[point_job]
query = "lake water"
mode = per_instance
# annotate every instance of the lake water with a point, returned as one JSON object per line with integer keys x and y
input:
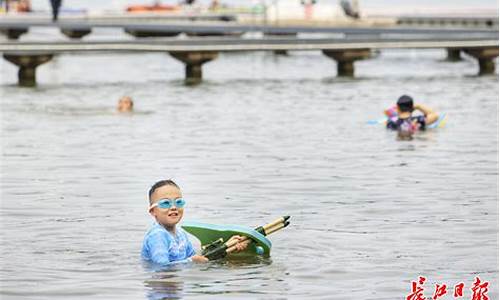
{"x": 263, "y": 136}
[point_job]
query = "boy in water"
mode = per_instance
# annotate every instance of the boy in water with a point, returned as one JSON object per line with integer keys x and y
{"x": 403, "y": 121}
{"x": 164, "y": 243}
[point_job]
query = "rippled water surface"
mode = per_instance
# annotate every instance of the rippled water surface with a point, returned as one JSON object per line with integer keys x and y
{"x": 262, "y": 137}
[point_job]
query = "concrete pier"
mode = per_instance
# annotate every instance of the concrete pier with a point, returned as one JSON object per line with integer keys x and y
{"x": 194, "y": 62}
{"x": 194, "y": 52}
{"x": 13, "y": 33}
{"x": 485, "y": 57}
{"x": 219, "y": 34}
{"x": 345, "y": 59}
{"x": 281, "y": 35}
{"x": 203, "y": 28}
{"x": 27, "y": 64}
{"x": 76, "y": 33}
{"x": 138, "y": 33}
{"x": 453, "y": 55}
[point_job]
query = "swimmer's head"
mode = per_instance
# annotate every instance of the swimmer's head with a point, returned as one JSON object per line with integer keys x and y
{"x": 125, "y": 104}
{"x": 166, "y": 204}
{"x": 405, "y": 104}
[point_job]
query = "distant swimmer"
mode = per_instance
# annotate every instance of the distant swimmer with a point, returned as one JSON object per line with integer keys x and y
{"x": 125, "y": 104}
{"x": 400, "y": 117}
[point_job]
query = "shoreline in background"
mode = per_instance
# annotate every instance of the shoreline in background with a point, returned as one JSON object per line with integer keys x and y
{"x": 384, "y": 8}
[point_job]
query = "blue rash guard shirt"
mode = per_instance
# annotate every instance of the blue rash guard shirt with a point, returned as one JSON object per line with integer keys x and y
{"x": 163, "y": 248}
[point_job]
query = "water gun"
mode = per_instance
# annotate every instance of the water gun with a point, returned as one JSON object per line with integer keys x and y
{"x": 219, "y": 249}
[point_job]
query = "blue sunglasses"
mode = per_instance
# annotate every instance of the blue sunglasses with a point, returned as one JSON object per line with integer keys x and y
{"x": 169, "y": 203}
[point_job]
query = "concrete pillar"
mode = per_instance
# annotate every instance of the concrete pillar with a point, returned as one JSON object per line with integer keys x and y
{"x": 142, "y": 33}
{"x": 27, "y": 66}
{"x": 453, "y": 55}
{"x": 76, "y": 33}
{"x": 485, "y": 58}
{"x": 281, "y": 35}
{"x": 203, "y": 34}
{"x": 281, "y": 52}
{"x": 14, "y": 33}
{"x": 193, "y": 62}
{"x": 345, "y": 59}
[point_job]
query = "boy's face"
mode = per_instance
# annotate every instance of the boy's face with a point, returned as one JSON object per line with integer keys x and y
{"x": 167, "y": 217}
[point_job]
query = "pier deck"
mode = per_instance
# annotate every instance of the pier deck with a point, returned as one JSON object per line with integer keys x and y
{"x": 234, "y": 27}
{"x": 229, "y": 44}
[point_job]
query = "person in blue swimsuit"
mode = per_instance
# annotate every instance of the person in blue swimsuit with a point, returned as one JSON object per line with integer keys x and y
{"x": 404, "y": 122}
{"x": 165, "y": 243}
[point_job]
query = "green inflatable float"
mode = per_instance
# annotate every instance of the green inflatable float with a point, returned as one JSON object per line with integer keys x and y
{"x": 215, "y": 238}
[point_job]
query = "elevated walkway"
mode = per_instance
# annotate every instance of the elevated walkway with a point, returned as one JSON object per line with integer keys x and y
{"x": 343, "y": 44}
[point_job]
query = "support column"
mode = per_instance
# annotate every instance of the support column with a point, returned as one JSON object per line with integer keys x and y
{"x": 76, "y": 33}
{"x": 145, "y": 33}
{"x": 27, "y": 66}
{"x": 345, "y": 59}
{"x": 281, "y": 35}
{"x": 485, "y": 58}
{"x": 194, "y": 62}
{"x": 203, "y": 34}
{"x": 14, "y": 33}
{"x": 453, "y": 55}
{"x": 281, "y": 52}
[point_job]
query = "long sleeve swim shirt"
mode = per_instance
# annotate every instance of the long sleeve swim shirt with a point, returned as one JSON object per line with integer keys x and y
{"x": 162, "y": 247}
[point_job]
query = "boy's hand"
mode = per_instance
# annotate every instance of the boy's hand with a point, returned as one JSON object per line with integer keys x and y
{"x": 199, "y": 259}
{"x": 240, "y": 246}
